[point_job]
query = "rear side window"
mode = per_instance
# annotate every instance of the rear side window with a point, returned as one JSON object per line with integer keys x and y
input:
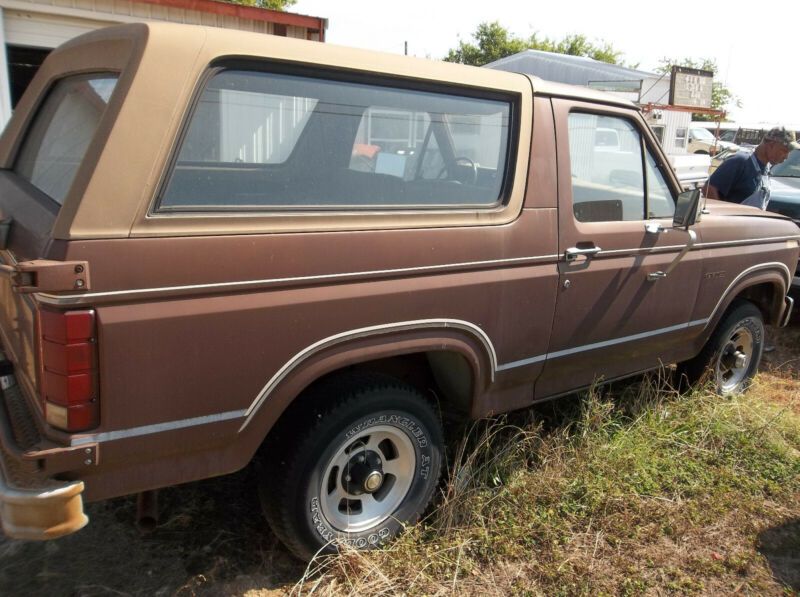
{"x": 270, "y": 141}
{"x": 59, "y": 137}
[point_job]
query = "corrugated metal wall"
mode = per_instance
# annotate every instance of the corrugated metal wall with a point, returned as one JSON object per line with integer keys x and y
{"x": 48, "y": 23}
{"x": 676, "y": 128}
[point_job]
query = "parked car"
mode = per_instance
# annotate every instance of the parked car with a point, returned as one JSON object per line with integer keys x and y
{"x": 222, "y": 247}
{"x": 746, "y": 135}
{"x": 692, "y": 170}
{"x": 784, "y": 197}
{"x": 701, "y": 140}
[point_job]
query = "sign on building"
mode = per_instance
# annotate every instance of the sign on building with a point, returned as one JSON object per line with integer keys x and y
{"x": 690, "y": 87}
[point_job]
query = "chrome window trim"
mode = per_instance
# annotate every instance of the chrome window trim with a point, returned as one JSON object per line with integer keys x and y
{"x": 243, "y": 66}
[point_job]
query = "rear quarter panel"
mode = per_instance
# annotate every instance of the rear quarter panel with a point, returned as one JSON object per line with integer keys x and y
{"x": 197, "y": 313}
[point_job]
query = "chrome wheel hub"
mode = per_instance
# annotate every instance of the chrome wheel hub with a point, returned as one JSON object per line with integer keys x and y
{"x": 373, "y": 482}
{"x": 734, "y": 359}
{"x": 363, "y": 473}
{"x": 367, "y": 479}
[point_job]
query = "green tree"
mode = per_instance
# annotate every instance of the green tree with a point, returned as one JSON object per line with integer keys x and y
{"x": 271, "y": 4}
{"x": 721, "y": 96}
{"x": 492, "y": 41}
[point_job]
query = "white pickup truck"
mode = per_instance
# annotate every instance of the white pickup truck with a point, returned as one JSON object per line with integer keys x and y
{"x": 692, "y": 169}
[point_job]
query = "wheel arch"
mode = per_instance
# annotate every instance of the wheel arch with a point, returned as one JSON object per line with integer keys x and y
{"x": 447, "y": 348}
{"x": 765, "y": 285}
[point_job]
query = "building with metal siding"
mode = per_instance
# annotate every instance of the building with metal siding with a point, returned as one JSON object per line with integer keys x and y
{"x": 30, "y": 29}
{"x": 641, "y": 87}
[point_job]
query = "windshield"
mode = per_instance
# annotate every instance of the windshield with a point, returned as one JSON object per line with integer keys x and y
{"x": 790, "y": 168}
{"x": 702, "y": 134}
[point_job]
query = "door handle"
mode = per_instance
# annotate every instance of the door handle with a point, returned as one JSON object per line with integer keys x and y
{"x": 655, "y": 228}
{"x": 660, "y": 275}
{"x": 573, "y": 253}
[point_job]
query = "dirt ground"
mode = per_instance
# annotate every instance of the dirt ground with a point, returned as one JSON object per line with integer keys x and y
{"x": 210, "y": 532}
{"x": 213, "y": 540}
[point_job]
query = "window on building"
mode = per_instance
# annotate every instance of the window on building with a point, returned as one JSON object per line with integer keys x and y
{"x": 23, "y": 63}
{"x": 658, "y": 131}
{"x": 680, "y": 137}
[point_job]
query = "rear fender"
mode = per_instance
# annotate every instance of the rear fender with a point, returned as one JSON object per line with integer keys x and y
{"x": 361, "y": 346}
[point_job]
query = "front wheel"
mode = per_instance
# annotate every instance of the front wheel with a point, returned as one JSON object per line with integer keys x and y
{"x": 367, "y": 464}
{"x": 732, "y": 353}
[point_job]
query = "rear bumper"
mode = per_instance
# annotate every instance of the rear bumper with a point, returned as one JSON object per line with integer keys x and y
{"x": 39, "y": 514}
{"x": 33, "y": 504}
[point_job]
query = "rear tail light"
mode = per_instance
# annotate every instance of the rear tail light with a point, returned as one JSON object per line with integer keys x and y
{"x": 69, "y": 380}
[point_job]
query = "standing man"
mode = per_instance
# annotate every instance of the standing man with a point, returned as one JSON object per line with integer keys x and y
{"x": 742, "y": 177}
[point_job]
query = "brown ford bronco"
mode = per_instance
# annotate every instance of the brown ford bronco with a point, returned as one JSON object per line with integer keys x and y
{"x": 219, "y": 247}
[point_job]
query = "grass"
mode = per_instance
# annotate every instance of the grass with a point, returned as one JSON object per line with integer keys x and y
{"x": 622, "y": 491}
{"x": 630, "y": 491}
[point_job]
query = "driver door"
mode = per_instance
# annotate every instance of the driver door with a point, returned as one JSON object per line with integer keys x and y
{"x": 614, "y": 314}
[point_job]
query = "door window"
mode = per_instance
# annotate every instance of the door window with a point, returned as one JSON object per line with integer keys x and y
{"x": 614, "y": 175}
{"x": 660, "y": 203}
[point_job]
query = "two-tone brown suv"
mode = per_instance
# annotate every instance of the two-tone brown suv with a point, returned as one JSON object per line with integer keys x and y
{"x": 220, "y": 246}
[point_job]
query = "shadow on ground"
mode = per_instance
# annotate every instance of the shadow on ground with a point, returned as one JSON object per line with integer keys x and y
{"x": 210, "y": 532}
{"x": 781, "y": 547}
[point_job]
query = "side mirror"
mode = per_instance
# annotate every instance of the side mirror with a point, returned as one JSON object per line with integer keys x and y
{"x": 686, "y": 209}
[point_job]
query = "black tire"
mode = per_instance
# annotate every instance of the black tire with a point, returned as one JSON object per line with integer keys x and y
{"x": 365, "y": 464}
{"x": 733, "y": 352}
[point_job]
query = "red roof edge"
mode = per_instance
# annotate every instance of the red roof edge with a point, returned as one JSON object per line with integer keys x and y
{"x": 253, "y": 13}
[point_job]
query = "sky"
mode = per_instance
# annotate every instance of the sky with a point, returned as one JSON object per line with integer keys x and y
{"x": 761, "y": 71}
